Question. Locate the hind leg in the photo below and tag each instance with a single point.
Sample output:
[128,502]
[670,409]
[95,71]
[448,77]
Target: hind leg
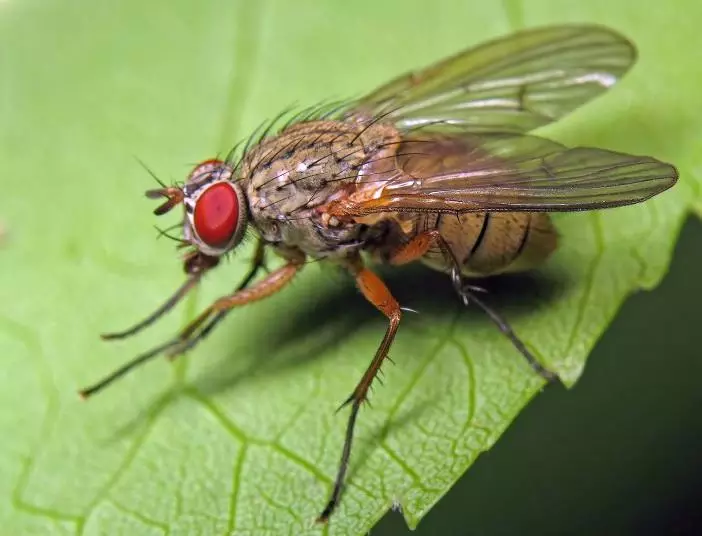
[416,248]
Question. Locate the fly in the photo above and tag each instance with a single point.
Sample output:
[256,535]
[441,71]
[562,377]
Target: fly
[436,166]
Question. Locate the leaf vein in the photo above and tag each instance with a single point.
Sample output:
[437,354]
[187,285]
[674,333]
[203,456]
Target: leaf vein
[298,460]
[126,461]
[163,527]
[426,361]
[416,479]
[514,13]
[249,25]
[234,430]
[589,280]
[236,487]
[472,401]
[34,349]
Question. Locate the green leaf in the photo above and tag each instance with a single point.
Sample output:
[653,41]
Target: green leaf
[241,436]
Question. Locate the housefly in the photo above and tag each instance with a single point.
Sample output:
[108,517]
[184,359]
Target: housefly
[436,166]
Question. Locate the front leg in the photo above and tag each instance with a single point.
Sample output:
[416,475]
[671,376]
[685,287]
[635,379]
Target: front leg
[196,265]
[258,262]
[269,285]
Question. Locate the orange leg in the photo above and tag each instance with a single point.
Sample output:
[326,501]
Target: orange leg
[196,265]
[419,245]
[375,291]
[258,262]
[379,295]
[269,285]
[266,287]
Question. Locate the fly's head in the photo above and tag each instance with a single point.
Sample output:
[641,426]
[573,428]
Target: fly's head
[216,214]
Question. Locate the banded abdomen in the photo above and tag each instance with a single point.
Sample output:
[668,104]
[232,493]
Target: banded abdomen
[492,243]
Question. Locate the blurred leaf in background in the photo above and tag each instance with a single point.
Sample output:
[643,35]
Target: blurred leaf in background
[241,437]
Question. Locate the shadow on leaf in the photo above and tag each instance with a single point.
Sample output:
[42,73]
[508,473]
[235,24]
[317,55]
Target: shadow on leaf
[330,318]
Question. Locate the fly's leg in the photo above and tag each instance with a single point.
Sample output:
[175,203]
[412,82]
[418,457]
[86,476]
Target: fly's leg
[257,263]
[468,295]
[269,285]
[418,247]
[266,287]
[196,265]
[375,291]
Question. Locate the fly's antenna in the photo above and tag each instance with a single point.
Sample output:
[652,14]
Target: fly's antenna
[173,194]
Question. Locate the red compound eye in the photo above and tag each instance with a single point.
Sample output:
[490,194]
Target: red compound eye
[217,214]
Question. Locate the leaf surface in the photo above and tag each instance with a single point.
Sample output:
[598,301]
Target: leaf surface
[241,437]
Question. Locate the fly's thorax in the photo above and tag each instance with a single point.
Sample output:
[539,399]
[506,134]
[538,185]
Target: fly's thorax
[306,166]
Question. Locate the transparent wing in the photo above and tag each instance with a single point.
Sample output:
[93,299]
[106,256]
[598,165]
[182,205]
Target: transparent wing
[512,84]
[478,173]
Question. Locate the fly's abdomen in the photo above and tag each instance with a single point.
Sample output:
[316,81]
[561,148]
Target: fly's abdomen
[492,243]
